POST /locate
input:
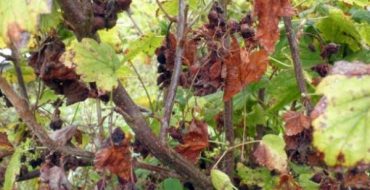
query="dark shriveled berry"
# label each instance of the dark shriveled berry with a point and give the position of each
(247, 19)
(123, 4)
(246, 31)
(161, 68)
(111, 22)
(329, 50)
(161, 58)
(98, 9)
(118, 136)
(233, 26)
(99, 23)
(321, 69)
(213, 17)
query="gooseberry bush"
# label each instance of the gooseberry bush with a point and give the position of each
(184, 94)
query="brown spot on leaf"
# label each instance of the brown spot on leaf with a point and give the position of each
(295, 122)
(287, 182)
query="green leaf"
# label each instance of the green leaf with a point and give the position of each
(306, 183)
(27, 73)
(342, 117)
(339, 28)
(282, 90)
(52, 20)
(364, 30)
(360, 15)
(111, 37)
(221, 181)
(172, 6)
(271, 153)
(361, 3)
(96, 63)
(23, 13)
(12, 169)
(172, 184)
(258, 176)
(363, 55)
(145, 44)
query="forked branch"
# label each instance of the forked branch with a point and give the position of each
(24, 111)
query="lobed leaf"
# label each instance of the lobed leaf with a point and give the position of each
(341, 118)
(96, 63)
(270, 153)
(339, 28)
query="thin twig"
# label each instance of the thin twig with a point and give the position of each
(232, 148)
(17, 61)
(170, 18)
(170, 98)
(143, 85)
(228, 164)
(297, 64)
(100, 122)
(129, 14)
(159, 170)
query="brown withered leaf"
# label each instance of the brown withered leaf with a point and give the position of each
(287, 182)
(116, 157)
(233, 83)
(190, 52)
(48, 65)
(195, 141)
(295, 123)
(269, 13)
(243, 68)
(55, 177)
(6, 148)
(215, 70)
(357, 180)
(253, 66)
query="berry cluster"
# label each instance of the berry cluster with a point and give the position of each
(105, 12)
(205, 74)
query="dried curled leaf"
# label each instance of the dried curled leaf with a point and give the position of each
(270, 153)
(243, 68)
(60, 78)
(295, 122)
(116, 158)
(341, 118)
(269, 13)
(233, 83)
(195, 141)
